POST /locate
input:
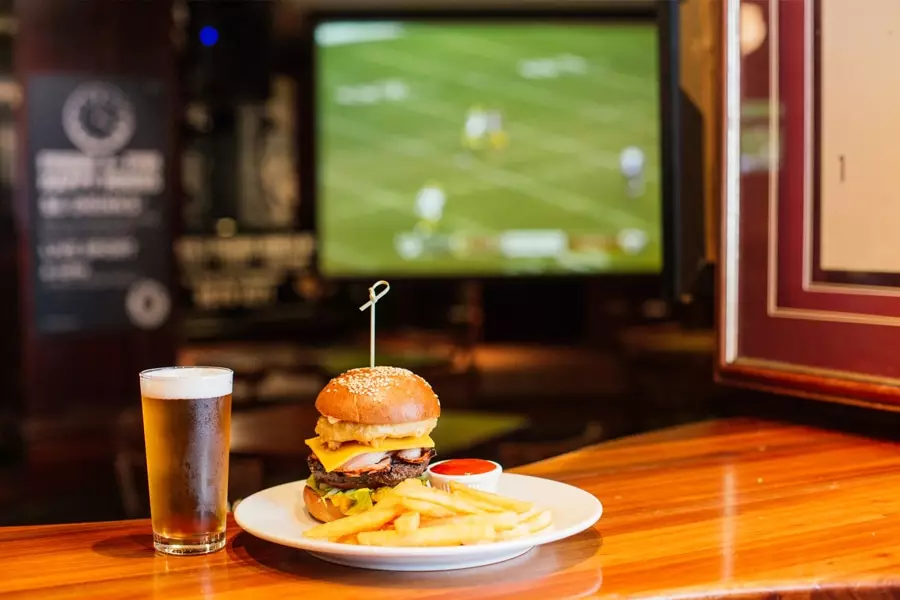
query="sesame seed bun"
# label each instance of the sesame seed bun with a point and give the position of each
(379, 396)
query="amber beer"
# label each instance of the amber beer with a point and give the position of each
(187, 431)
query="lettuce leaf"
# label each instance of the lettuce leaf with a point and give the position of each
(378, 495)
(352, 502)
(319, 488)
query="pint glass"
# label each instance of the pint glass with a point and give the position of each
(187, 431)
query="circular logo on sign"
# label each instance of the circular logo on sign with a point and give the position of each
(147, 304)
(98, 118)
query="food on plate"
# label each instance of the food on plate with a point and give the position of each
(407, 522)
(414, 514)
(427, 508)
(479, 496)
(354, 524)
(373, 434)
(368, 482)
(432, 536)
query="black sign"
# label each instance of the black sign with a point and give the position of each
(98, 204)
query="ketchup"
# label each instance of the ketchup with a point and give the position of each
(463, 466)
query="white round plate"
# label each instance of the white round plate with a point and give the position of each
(278, 514)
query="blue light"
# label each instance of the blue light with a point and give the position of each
(209, 36)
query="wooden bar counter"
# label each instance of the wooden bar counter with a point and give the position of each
(738, 508)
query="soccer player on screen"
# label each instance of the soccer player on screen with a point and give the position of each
(496, 134)
(631, 162)
(429, 208)
(475, 128)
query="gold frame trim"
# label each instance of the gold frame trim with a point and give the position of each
(731, 184)
(764, 386)
(774, 157)
(730, 222)
(809, 284)
(773, 309)
(730, 217)
(786, 367)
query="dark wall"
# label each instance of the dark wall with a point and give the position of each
(99, 38)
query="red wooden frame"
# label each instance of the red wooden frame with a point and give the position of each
(784, 323)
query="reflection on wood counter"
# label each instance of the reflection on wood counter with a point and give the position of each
(737, 507)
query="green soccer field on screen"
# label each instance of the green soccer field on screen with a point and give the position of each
(488, 149)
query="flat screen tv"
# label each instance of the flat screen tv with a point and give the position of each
(482, 146)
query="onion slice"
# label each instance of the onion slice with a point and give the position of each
(409, 454)
(364, 462)
(414, 456)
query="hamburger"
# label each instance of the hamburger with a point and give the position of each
(373, 433)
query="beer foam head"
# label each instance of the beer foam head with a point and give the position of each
(173, 383)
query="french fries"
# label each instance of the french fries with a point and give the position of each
(427, 508)
(367, 521)
(450, 501)
(407, 523)
(471, 494)
(499, 521)
(539, 521)
(445, 535)
(412, 514)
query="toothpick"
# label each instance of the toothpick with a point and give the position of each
(373, 298)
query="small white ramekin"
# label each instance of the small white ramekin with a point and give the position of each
(482, 481)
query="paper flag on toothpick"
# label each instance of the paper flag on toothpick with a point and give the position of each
(374, 296)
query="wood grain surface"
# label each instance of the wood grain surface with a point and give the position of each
(738, 508)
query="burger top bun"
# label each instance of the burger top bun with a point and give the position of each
(378, 396)
(320, 508)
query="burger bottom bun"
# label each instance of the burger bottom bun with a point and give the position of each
(320, 508)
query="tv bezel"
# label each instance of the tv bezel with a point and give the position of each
(664, 13)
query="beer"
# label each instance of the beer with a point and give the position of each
(187, 431)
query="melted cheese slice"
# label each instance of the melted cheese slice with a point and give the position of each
(332, 459)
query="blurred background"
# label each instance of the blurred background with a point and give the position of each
(219, 183)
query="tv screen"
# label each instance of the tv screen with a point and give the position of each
(487, 149)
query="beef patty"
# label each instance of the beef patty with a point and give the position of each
(398, 471)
